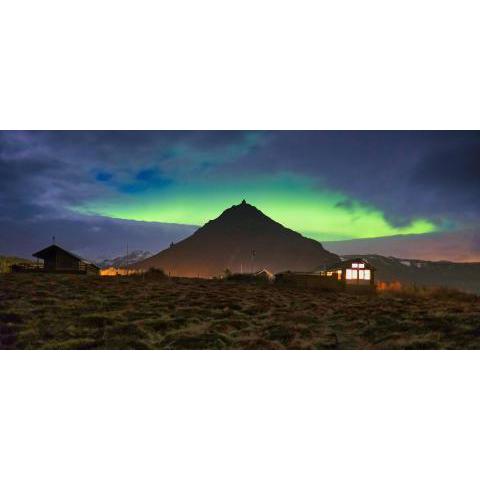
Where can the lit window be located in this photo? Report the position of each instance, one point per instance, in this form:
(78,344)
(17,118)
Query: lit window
(339,273)
(361,265)
(364,274)
(354,265)
(352,274)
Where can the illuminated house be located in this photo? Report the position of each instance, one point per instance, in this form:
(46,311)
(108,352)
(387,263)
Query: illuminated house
(354,272)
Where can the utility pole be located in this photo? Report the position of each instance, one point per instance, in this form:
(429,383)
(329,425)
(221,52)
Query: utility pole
(126,260)
(56,256)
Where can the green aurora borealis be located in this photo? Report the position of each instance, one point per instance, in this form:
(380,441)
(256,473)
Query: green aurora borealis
(293,200)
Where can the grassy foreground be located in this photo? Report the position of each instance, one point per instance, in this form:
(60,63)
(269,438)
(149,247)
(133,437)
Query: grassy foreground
(76,312)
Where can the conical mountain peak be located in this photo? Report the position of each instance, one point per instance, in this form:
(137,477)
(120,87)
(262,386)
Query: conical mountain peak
(228,241)
(242,208)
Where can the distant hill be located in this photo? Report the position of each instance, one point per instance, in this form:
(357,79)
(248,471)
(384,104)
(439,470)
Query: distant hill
(244,239)
(125,260)
(462,276)
(7,262)
(458,246)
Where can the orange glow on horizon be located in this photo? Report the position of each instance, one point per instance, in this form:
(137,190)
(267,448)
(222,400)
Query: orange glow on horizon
(112,271)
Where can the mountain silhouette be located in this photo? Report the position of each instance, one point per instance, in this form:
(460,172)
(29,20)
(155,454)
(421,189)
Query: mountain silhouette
(241,239)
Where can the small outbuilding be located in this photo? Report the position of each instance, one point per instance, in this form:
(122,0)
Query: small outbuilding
(58,260)
(265,275)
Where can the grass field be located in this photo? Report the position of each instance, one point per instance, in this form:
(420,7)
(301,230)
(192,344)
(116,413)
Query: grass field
(79,312)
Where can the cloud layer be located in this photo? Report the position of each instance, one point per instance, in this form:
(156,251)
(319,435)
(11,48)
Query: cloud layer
(48,178)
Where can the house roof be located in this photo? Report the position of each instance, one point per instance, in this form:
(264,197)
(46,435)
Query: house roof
(264,271)
(348,262)
(42,253)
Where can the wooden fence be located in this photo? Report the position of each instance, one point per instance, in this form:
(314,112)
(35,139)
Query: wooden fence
(83,269)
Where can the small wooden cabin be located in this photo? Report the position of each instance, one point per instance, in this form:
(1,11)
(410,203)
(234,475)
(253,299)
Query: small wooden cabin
(58,260)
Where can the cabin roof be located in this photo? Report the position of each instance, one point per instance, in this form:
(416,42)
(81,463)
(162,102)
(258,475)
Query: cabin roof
(348,262)
(44,252)
(264,270)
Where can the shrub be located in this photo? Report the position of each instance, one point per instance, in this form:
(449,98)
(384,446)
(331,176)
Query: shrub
(157,273)
(245,278)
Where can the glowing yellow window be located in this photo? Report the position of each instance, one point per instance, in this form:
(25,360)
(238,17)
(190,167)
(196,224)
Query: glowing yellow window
(352,274)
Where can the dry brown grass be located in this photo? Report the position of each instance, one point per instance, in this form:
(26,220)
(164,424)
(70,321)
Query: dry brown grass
(55,311)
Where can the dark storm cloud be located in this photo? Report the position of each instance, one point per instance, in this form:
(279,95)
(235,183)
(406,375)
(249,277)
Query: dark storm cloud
(22,184)
(36,189)
(36,182)
(44,174)
(49,171)
(450,180)
(129,142)
(382,168)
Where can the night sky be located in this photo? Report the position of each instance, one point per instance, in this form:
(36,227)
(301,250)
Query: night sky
(90,188)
